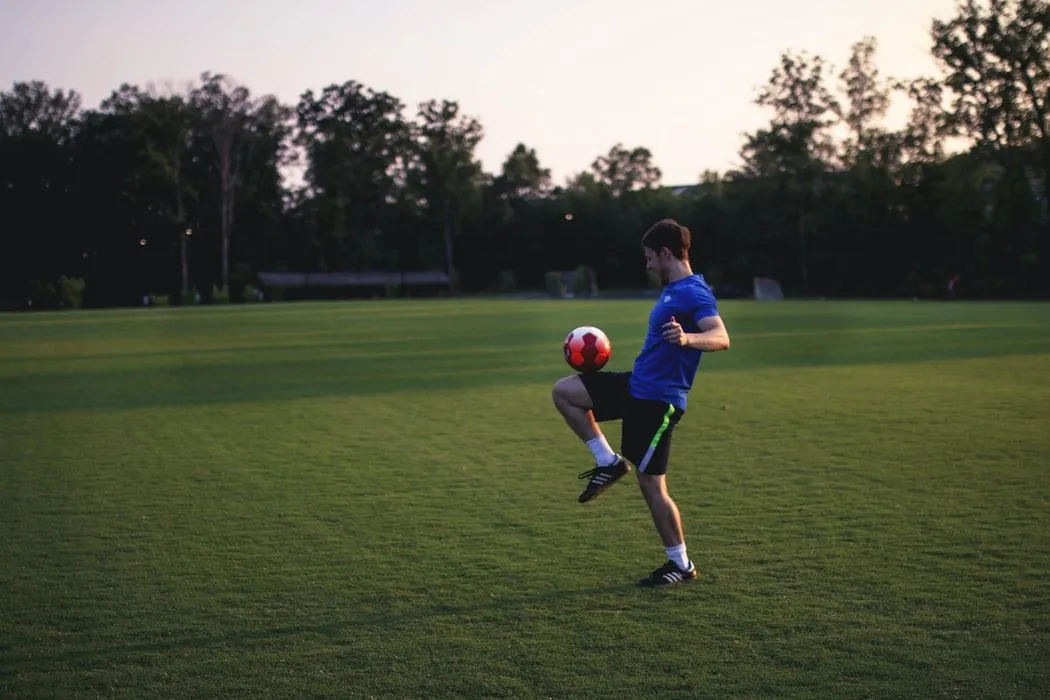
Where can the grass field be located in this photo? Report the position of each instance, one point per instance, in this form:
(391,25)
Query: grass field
(378,499)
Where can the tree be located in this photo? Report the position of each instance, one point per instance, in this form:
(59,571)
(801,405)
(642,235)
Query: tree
(824,194)
(159,129)
(268,149)
(623,170)
(997,63)
(797,140)
(357,144)
(923,139)
(33,108)
(226,110)
(38,126)
(522,177)
(790,156)
(996,57)
(445,174)
(867,100)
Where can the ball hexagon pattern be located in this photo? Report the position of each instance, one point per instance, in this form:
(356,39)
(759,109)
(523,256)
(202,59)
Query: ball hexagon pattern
(587,349)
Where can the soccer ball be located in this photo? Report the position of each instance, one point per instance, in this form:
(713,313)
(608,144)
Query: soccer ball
(587,349)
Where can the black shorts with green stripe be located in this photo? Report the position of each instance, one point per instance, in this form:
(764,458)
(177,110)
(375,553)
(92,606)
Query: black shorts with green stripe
(645,438)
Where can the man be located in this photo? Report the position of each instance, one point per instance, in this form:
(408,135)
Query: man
(951,286)
(651,398)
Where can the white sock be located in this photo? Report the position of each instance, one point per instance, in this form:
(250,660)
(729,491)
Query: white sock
(678,556)
(603,454)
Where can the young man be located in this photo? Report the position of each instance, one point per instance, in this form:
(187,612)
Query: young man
(651,398)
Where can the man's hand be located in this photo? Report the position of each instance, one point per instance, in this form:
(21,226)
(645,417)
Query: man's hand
(712,337)
(673,332)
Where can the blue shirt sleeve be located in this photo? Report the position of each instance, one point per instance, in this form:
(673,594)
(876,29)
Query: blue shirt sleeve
(705,305)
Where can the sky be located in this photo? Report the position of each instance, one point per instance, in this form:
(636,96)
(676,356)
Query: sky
(569,78)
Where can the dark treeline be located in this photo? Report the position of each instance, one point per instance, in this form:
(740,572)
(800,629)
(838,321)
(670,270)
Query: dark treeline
(179,192)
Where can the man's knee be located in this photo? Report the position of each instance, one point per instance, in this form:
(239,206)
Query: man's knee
(653,486)
(571,391)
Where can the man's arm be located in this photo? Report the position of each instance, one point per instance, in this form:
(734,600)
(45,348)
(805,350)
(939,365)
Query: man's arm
(712,337)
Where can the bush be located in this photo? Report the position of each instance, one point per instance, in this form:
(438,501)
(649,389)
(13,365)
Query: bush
(239,276)
(584,282)
(42,295)
(506,282)
(555,285)
(72,291)
(219,296)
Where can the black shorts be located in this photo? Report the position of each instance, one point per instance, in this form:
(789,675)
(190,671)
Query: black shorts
(645,438)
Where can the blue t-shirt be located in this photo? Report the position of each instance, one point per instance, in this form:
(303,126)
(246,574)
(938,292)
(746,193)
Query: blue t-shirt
(662,371)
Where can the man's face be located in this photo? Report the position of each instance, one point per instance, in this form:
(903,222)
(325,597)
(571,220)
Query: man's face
(657,263)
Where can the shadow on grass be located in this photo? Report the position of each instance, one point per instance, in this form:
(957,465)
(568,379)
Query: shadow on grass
(193,385)
(12,664)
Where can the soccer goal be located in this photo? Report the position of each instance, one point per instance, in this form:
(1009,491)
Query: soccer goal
(767,289)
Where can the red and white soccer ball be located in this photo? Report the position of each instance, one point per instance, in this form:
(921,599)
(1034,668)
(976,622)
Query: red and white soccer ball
(587,349)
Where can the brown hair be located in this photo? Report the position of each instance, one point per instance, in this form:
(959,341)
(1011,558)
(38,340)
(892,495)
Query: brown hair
(668,233)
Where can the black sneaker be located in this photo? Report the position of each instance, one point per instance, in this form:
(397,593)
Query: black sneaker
(668,575)
(602,478)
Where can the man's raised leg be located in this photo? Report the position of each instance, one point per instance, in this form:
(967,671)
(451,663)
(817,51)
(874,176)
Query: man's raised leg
(574,403)
(576,406)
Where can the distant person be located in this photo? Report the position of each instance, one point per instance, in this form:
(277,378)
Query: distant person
(651,398)
(951,286)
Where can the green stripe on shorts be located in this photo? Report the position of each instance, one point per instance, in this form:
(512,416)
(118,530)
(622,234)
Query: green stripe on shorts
(656,438)
(663,427)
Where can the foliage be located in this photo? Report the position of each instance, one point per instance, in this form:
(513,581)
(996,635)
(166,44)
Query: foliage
(584,282)
(71,290)
(555,284)
(505,282)
(158,191)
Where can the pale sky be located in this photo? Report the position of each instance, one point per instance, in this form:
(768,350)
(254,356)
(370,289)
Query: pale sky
(569,78)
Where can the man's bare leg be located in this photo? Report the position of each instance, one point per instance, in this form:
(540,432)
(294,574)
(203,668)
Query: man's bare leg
(575,405)
(668,521)
(666,518)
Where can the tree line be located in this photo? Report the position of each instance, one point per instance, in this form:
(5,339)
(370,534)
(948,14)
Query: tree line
(179,191)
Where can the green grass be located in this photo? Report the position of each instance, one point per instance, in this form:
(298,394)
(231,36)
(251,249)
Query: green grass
(379,500)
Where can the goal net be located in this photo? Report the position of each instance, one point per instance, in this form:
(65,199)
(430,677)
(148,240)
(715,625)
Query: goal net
(767,289)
